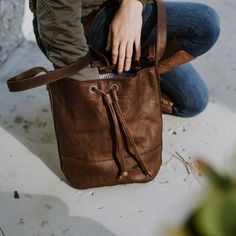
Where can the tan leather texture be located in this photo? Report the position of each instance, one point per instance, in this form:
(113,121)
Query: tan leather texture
(109,131)
(86,133)
(173,56)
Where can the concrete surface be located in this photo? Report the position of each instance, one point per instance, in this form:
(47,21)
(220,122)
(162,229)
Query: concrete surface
(11,15)
(49,206)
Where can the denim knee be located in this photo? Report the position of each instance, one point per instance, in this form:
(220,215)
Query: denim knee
(212,23)
(186,89)
(208,29)
(193,107)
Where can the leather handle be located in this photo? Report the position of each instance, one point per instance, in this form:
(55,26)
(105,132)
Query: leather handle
(155,51)
(161,30)
(30,78)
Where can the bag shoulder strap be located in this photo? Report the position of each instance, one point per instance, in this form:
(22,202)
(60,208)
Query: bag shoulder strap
(32,78)
(161,30)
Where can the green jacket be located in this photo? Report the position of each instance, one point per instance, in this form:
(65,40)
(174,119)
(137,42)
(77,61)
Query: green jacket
(61,31)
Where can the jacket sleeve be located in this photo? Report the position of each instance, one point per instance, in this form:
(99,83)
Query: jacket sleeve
(62,35)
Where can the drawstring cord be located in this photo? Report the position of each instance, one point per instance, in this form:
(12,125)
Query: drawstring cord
(112,101)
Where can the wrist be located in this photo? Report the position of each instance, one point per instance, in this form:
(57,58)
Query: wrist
(141,3)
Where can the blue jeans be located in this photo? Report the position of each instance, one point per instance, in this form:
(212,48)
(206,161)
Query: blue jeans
(196,28)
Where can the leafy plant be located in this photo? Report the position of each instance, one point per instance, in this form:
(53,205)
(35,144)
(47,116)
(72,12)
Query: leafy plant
(216,215)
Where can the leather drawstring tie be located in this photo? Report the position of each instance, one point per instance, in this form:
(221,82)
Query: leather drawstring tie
(112,101)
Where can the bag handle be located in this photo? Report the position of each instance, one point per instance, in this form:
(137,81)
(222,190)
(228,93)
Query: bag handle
(161,30)
(31,78)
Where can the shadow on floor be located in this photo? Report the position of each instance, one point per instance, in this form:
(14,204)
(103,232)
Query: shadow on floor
(34,215)
(27,115)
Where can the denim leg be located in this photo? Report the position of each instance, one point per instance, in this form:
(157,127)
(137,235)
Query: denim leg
(186,88)
(196,28)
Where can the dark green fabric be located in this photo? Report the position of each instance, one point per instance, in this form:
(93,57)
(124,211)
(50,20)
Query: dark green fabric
(61,31)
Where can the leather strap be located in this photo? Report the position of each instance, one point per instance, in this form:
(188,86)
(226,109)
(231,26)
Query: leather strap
(161,30)
(30,79)
(162,37)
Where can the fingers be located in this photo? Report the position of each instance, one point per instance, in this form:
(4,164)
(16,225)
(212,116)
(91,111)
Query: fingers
(108,47)
(115,52)
(137,49)
(122,52)
(128,56)
(122,55)
(121,58)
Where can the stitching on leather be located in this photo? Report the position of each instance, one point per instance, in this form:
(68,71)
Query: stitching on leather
(53,24)
(67,158)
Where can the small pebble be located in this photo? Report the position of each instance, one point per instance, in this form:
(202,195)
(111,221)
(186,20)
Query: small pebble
(21,221)
(164,181)
(16,195)
(140,210)
(172,132)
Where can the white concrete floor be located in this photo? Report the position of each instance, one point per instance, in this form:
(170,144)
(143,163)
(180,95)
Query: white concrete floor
(49,206)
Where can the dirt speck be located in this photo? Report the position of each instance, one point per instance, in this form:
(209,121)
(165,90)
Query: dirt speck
(30,96)
(43,223)
(45,110)
(65,230)
(47,138)
(140,210)
(18,120)
(16,195)
(13,109)
(48,207)
(26,128)
(21,221)
(172,132)
(164,181)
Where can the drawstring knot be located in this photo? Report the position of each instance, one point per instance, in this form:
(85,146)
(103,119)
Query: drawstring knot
(112,101)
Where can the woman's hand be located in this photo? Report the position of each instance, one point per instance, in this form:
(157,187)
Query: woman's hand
(124,33)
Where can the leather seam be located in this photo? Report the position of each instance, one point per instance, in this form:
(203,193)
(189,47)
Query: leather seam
(67,158)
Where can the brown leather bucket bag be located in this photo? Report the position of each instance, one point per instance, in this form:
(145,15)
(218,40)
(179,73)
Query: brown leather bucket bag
(109,130)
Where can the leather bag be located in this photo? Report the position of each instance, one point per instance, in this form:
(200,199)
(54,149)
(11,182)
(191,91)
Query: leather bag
(109,130)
